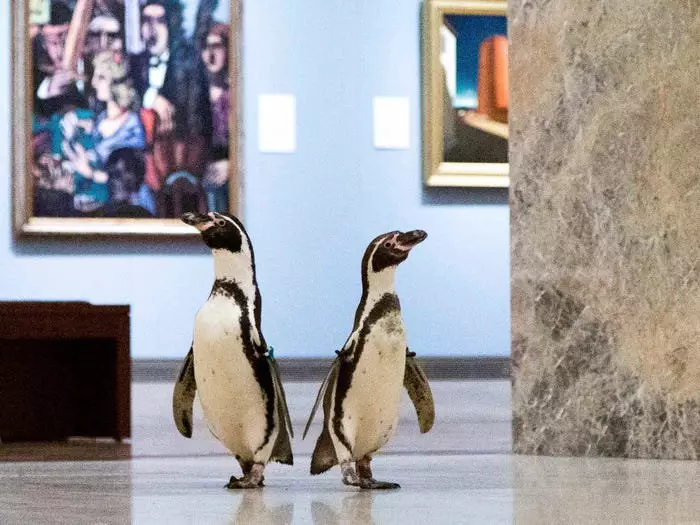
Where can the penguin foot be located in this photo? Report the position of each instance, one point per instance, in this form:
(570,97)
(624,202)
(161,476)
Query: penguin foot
(351,478)
(253,478)
(369,483)
(243,483)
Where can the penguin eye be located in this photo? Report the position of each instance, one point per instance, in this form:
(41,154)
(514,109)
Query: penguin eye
(219,222)
(387,244)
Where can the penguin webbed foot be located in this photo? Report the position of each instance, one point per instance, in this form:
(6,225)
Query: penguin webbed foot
(350,477)
(371,483)
(364,480)
(252,478)
(368,483)
(243,483)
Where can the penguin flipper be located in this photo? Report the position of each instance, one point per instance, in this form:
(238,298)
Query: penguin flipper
(331,377)
(282,449)
(418,388)
(183,396)
(324,456)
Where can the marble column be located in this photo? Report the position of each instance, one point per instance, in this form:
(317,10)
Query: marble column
(605,204)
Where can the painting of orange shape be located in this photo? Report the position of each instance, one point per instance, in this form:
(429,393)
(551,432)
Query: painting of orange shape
(474,56)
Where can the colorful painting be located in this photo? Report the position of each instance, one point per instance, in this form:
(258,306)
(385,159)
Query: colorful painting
(130,110)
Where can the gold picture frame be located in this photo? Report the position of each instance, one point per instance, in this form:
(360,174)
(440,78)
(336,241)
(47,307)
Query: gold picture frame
(450,156)
(33,215)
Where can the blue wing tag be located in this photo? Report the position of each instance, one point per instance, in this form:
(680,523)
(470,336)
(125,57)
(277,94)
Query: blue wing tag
(270,353)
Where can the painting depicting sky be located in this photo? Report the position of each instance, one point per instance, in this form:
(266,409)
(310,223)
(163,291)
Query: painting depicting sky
(471,30)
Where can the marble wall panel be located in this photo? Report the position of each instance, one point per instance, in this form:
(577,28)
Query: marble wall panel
(605,221)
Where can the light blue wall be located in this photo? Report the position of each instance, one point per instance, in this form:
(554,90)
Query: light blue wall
(310,213)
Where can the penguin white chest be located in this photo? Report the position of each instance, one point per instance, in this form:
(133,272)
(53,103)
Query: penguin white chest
(371,406)
(232,400)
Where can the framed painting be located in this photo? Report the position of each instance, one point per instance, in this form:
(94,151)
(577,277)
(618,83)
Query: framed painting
(465,93)
(125,115)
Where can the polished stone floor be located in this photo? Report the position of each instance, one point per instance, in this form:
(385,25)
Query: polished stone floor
(459,473)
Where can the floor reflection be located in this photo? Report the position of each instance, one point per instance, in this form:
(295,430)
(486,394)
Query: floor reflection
(445,477)
(253,509)
(604,490)
(355,509)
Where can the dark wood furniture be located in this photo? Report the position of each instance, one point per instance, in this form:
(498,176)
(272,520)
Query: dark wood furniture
(65,371)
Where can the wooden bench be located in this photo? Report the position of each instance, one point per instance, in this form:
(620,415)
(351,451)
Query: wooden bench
(65,371)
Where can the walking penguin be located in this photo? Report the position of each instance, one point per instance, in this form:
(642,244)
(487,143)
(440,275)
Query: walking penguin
(230,363)
(362,391)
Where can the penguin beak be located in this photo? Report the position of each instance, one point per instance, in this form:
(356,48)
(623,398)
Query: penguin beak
(408,240)
(201,221)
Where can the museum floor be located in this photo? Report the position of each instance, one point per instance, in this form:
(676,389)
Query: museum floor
(459,473)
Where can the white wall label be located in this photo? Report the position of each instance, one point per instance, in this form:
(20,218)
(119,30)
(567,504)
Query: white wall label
(277,123)
(391,123)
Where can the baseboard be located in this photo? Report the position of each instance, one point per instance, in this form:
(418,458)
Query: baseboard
(315,369)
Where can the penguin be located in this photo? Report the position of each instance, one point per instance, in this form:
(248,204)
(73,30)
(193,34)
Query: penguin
(229,363)
(362,391)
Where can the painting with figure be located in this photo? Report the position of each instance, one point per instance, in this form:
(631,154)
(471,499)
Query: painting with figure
(474,60)
(130,107)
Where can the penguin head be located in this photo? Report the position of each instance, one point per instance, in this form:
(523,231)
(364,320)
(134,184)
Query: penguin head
(391,249)
(220,231)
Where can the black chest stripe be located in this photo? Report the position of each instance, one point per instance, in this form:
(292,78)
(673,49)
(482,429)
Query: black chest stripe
(255,355)
(387,304)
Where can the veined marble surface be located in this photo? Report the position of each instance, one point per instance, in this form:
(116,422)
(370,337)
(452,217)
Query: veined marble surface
(436,489)
(605,222)
(459,473)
